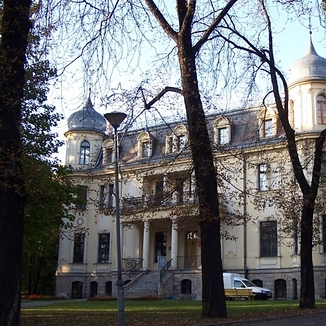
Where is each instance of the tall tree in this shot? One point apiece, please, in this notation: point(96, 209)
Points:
point(15, 25)
point(309, 188)
point(48, 193)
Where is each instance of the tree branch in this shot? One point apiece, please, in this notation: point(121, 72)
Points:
point(214, 24)
point(161, 94)
point(161, 20)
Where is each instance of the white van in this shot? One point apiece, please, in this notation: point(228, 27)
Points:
point(236, 281)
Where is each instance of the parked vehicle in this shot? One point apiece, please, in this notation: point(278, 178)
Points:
point(236, 281)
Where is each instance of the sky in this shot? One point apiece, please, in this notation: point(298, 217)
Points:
point(291, 39)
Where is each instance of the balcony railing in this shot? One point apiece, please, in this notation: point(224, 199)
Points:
point(135, 203)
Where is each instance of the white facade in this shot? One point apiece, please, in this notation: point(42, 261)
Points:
point(258, 200)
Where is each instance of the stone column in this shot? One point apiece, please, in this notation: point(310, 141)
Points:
point(174, 244)
point(146, 235)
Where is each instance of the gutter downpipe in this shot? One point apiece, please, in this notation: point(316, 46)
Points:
point(244, 214)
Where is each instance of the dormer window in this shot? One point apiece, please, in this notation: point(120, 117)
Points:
point(84, 152)
point(222, 131)
point(321, 109)
point(176, 142)
point(267, 123)
point(144, 145)
point(108, 151)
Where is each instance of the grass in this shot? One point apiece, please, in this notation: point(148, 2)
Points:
point(156, 313)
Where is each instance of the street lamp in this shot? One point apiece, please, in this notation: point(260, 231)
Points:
point(115, 119)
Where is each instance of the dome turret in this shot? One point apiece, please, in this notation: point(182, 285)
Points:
point(87, 119)
point(308, 68)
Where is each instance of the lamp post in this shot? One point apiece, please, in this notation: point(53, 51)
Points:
point(115, 119)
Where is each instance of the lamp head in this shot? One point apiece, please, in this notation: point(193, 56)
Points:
point(115, 118)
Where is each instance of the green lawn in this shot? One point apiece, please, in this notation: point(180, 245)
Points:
point(169, 312)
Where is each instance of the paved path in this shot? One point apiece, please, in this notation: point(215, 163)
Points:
point(42, 303)
point(315, 319)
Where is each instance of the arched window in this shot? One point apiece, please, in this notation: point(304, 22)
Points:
point(144, 144)
point(176, 142)
point(108, 288)
point(321, 109)
point(93, 289)
point(108, 152)
point(280, 289)
point(77, 290)
point(258, 282)
point(222, 131)
point(267, 120)
point(186, 286)
point(84, 152)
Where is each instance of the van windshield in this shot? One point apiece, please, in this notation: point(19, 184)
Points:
point(248, 283)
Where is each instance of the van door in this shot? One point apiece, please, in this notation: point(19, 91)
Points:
point(238, 284)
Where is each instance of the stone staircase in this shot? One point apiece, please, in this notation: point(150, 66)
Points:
point(145, 284)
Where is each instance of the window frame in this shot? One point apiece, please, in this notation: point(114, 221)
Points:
point(263, 177)
point(103, 255)
point(84, 152)
point(321, 108)
point(267, 115)
point(222, 125)
point(81, 203)
point(79, 247)
point(144, 145)
point(268, 239)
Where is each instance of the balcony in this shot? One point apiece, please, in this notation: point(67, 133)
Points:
point(152, 202)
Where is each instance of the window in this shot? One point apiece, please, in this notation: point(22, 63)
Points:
point(169, 144)
point(268, 239)
point(222, 131)
point(106, 196)
point(84, 152)
point(93, 289)
point(324, 232)
point(160, 244)
point(280, 289)
point(81, 198)
point(179, 190)
point(108, 288)
point(144, 145)
point(180, 142)
point(108, 151)
point(177, 141)
point(145, 149)
point(222, 136)
point(76, 290)
point(104, 248)
point(186, 286)
point(267, 119)
point(268, 128)
point(262, 177)
point(79, 240)
point(321, 109)
point(159, 191)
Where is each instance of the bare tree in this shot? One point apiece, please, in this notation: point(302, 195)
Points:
point(309, 188)
point(15, 26)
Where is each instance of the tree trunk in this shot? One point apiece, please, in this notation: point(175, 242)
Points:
point(213, 299)
point(307, 290)
point(15, 25)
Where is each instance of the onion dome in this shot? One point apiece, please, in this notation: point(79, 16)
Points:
point(308, 68)
point(87, 119)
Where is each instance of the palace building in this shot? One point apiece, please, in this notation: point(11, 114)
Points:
point(160, 237)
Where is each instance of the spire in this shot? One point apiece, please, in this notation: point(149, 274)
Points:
point(311, 48)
